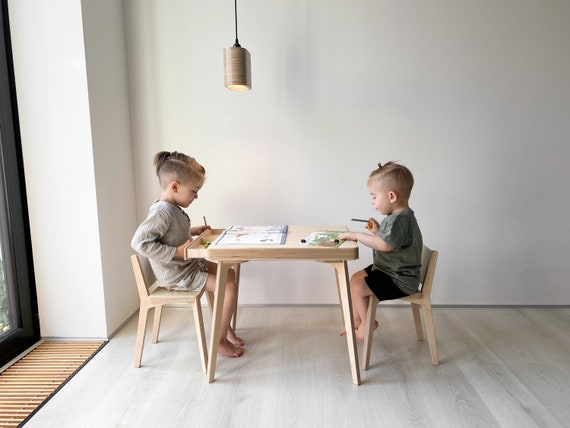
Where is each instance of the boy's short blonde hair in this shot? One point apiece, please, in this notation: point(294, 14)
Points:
point(175, 166)
point(395, 177)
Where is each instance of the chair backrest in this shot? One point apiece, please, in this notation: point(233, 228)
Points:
point(146, 281)
point(427, 269)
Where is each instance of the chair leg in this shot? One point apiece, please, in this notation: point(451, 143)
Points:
point(418, 321)
point(430, 330)
point(156, 323)
point(141, 329)
point(370, 319)
point(200, 333)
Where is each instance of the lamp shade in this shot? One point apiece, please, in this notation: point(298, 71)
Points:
point(237, 69)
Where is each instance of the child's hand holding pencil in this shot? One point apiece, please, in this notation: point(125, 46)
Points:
point(370, 222)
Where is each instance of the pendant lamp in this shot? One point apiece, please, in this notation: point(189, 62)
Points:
point(237, 64)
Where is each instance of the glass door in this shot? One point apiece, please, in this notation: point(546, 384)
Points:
point(5, 323)
point(5, 312)
point(19, 322)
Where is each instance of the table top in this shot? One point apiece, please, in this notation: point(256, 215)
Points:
point(292, 249)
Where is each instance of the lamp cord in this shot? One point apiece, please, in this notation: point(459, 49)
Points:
point(236, 44)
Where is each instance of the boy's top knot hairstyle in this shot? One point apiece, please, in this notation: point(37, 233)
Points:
point(176, 166)
point(395, 177)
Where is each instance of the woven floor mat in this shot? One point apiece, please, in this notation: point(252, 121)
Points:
point(30, 382)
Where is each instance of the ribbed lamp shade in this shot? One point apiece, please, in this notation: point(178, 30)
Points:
point(237, 69)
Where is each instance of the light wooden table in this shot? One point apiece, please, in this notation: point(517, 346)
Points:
point(230, 255)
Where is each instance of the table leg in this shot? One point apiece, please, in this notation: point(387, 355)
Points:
point(219, 294)
point(341, 271)
point(237, 271)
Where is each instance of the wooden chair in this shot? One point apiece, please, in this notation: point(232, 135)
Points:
point(422, 298)
point(153, 296)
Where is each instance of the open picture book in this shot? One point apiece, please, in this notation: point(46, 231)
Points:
point(253, 235)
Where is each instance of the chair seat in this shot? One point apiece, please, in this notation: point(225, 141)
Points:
point(413, 297)
point(164, 294)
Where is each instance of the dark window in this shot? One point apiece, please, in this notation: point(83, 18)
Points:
point(19, 323)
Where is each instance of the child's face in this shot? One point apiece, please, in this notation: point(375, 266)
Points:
point(187, 192)
point(382, 198)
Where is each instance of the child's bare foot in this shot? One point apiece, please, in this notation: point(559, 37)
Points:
point(229, 349)
point(343, 331)
point(361, 332)
point(233, 338)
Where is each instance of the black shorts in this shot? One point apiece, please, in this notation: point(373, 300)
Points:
point(382, 285)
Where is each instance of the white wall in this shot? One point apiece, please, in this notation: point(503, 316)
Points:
point(74, 119)
point(473, 96)
point(106, 60)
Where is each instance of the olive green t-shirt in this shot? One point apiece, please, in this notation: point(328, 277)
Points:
point(401, 231)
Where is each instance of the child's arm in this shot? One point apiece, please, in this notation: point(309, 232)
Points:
point(147, 239)
point(194, 231)
point(180, 250)
point(370, 239)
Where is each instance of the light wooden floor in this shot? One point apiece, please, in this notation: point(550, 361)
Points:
point(500, 367)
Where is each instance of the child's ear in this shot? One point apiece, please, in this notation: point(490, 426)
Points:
point(393, 196)
point(174, 186)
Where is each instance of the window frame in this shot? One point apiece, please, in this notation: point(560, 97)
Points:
point(15, 229)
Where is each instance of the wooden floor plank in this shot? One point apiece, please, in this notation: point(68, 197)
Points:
point(500, 367)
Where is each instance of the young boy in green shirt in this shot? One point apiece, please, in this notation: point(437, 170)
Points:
point(396, 243)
